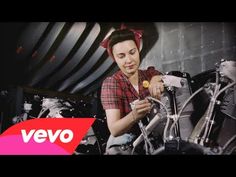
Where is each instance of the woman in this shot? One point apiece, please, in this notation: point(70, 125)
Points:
point(126, 87)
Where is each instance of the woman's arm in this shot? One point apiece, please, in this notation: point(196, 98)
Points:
point(118, 125)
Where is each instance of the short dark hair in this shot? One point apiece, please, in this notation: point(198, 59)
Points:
point(120, 35)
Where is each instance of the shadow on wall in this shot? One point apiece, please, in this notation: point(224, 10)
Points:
point(150, 35)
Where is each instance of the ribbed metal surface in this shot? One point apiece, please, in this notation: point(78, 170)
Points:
point(64, 56)
point(78, 56)
point(39, 53)
point(33, 33)
point(59, 53)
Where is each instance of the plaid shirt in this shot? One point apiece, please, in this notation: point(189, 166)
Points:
point(117, 91)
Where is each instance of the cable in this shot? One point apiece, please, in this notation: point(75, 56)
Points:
point(228, 143)
point(167, 115)
point(228, 86)
point(195, 93)
point(184, 105)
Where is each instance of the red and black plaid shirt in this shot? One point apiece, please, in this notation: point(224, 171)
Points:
point(117, 91)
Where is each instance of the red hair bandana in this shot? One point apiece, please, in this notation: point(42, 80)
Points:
point(137, 36)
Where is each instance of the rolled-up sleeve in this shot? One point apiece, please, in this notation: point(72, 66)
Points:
point(110, 94)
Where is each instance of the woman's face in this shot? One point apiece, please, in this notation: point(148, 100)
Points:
point(127, 56)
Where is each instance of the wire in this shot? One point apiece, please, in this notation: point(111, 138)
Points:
point(194, 94)
point(184, 105)
point(228, 143)
point(228, 86)
point(167, 115)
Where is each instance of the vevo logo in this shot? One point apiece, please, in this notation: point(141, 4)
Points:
point(41, 135)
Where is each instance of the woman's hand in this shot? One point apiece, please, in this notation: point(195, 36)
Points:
point(141, 108)
point(118, 125)
point(156, 87)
